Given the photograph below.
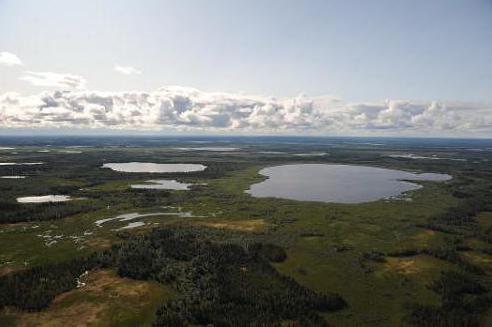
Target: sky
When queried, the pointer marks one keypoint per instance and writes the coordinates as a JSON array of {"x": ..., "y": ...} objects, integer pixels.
[{"x": 382, "y": 67}]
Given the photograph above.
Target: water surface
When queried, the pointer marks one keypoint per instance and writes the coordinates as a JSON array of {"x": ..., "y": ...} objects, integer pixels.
[
  {"x": 149, "y": 167},
  {"x": 135, "y": 215},
  {"x": 20, "y": 163},
  {"x": 128, "y": 216},
  {"x": 416, "y": 157},
  {"x": 209, "y": 148},
  {"x": 43, "y": 199},
  {"x": 311, "y": 154},
  {"x": 133, "y": 225},
  {"x": 162, "y": 184},
  {"x": 337, "y": 183}
]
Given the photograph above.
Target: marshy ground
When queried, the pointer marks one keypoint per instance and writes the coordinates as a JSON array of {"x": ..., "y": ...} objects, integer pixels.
[{"x": 382, "y": 257}]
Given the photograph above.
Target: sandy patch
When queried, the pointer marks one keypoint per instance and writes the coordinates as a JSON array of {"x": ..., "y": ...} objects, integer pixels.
[
  {"x": 242, "y": 225},
  {"x": 103, "y": 293},
  {"x": 99, "y": 243},
  {"x": 423, "y": 238},
  {"x": 406, "y": 266}
]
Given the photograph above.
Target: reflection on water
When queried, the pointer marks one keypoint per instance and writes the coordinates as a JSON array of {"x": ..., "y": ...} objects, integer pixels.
[
  {"x": 133, "y": 225},
  {"x": 149, "y": 167},
  {"x": 44, "y": 198},
  {"x": 20, "y": 163},
  {"x": 337, "y": 183},
  {"x": 311, "y": 154},
  {"x": 162, "y": 184},
  {"x": 416, "y": 157},
  {"x": 208, "y": 148},
  {"x": 135, "y": 215}
]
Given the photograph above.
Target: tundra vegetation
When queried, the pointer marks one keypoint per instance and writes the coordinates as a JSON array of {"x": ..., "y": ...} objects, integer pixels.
[{"x": 214, "y": 254}]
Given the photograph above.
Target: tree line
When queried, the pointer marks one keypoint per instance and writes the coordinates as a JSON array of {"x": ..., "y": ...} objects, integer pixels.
[{"x": 220, "y": 283}]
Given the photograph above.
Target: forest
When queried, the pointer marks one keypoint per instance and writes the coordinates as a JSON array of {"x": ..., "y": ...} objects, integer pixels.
[
  {"x": 215, "y": 255},
  {"x": 221, "y": 283}
]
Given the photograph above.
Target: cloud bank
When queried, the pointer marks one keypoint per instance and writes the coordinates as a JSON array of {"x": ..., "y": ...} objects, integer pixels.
[
  {"x": 126, "y": 70},
  {"x": 188, "y": 109},
  {"x": 56, "y": 80},
  {"x": 9, "y": 59}
]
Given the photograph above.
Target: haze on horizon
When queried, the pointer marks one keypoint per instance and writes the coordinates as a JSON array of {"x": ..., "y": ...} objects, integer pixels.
[{"x": 360, "y": 68}]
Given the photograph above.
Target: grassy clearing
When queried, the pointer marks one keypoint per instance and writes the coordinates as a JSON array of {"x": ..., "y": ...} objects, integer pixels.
[
  {"x": 105, "y": 300},
  {"x": 325, "y": 242},
  {"x": 485, "y": 220},
  {"x": 377, "y": 293},
  {"x": 310, "y": 231},
  {"x": 242, "y": 225}
]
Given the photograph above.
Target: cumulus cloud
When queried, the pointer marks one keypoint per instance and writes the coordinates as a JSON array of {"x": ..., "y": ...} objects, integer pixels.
[
  {"x": 182, "y": 108},
  {"x": 55, "y": 80},
  {"x": 126, "y": 70},
  {"x": 9, "y": 59}
]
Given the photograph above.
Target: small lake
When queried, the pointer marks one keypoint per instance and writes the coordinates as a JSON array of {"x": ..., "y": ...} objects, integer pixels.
[
  {"x": 44, "y": 199},
  {"x": 135, "y": 215},
  {"x": 209, "y": 148},
  {"x": 128, "y": 216},
  {"x": 133, "y": 225},
  {"x": 311, "y": 154},
  {"x": 416, "y": 157},
  {"x": 162, "y": 184},
  {"x": 149, "y": 167},
  {"x": 20, "y": 163},
  {"x": 337, "y": 183}
]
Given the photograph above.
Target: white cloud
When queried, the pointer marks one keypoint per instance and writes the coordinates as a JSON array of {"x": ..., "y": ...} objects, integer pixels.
[
  {"x": 9, "y": 59},
  {"x": 55, "y": 80},
  {"x": 181, "y": 108},
  {"x": 126, "y": 70}
]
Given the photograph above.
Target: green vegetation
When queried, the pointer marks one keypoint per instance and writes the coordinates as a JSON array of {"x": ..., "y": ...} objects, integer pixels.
[
  {"x": 105, "y": 300},
  {"x": 421, "y": 261}
]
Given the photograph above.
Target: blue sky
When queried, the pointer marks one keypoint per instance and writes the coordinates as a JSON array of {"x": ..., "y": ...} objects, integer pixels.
[{"x": 357, "y": 51}]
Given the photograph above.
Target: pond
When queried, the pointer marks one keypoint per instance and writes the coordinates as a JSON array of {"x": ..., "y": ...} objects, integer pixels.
[
  {"x": 209, "y": 148},
  {"x": 416, "y": 157},
  {"x": 135, "y": 215},
  {"x": 149, "y": 167},
  {"x": 311, "y": 154},
  {"x": 337, "y": 183},
  {"x": 128, "y": 216},
  {"x": 44, "y": 198},
  {"x": 133, "y": 225},
  {"x": 162, "y": 184},
  {"x": 20, "y": 163}
]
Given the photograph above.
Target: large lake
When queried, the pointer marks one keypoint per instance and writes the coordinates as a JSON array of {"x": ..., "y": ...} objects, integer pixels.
[
  {"x": 149, "y": 167},
  {"x": 337, "y": 183}
]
